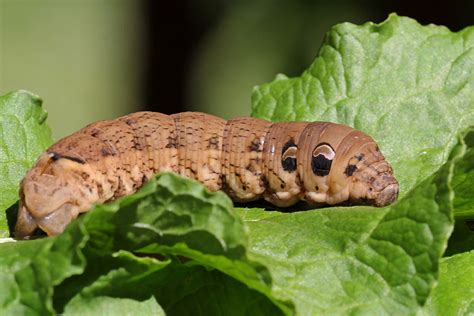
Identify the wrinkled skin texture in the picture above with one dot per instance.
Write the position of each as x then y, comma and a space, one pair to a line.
321, 163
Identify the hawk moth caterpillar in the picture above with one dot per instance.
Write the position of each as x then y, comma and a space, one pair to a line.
248, 158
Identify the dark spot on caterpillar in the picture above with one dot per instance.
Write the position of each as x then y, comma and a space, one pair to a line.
120, 185
282, 185
250, 167
130, 122
255, 145
213, 142
172, 142
55, 156
106, 151
321, 165
88, 188
288, 156
100, 189
85, 176
317, 188
377, 148
322, 157
350, 170
95, 132
137, 144
359, 157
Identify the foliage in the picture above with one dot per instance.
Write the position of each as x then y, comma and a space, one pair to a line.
175, 248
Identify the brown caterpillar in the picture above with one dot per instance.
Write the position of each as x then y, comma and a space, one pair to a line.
248, 158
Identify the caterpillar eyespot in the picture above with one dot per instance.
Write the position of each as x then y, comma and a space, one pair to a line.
248, 158
321, 161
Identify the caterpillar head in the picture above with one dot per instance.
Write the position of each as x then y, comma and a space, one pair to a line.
49, 197
345, 165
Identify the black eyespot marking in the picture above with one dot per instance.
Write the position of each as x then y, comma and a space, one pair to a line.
322, 158
288, 156
321, 165
289, 164
350, 170
55, 156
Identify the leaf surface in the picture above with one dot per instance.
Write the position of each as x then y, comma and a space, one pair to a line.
23, 136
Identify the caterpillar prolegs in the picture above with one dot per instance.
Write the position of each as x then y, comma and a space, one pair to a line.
248, 158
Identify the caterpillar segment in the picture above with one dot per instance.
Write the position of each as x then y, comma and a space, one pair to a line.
319, 162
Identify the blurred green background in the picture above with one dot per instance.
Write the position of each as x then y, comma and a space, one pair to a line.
99, 59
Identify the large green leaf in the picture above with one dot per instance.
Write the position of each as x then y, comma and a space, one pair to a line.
409, 86
23, 136
88, 261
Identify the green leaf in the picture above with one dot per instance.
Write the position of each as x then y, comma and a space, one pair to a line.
162, 218
164, 211
454, 294
409, 86
23, 136
178, 287
193, 289
358, 260
463, 186
106, 305
463, 181
92, 258
110, 293
29, 270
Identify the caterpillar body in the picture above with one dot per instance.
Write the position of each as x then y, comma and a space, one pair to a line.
248, 158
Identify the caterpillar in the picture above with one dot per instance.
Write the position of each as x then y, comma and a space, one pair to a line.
248, 158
